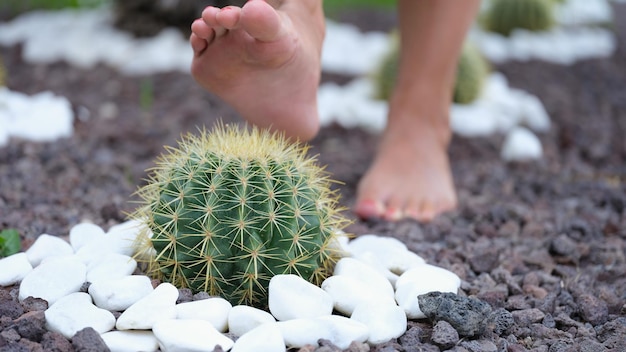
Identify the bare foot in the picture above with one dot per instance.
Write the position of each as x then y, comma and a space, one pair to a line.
410, 176
263, 61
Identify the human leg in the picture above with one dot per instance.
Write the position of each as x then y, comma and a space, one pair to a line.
410, 176
264, 60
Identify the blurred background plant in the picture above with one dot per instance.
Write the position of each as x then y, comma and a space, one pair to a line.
9, 242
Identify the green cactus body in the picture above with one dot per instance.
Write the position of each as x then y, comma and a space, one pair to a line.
504, 16
2, 74
472, 71
230, 209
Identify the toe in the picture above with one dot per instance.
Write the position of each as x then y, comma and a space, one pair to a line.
209, 16
198, 45
229, 17
369, 209
202, 30
261, 21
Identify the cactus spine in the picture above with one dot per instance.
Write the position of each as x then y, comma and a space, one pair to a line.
503, 16
230, 209
472, 71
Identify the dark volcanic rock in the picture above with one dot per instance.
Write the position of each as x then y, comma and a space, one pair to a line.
467, 315
444, 335
88, 340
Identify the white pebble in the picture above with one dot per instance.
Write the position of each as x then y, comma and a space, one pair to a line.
365, 273
119, 294
264, 338
84, 233
345, 330
75, 312
110, 266
298, 333
242, 319
14, 268
47, 246
521, 144
160, 304
292, 297
214, 310
53, 279
189, 335
370, 259
130, 341
348, 292
421, 280
385, 321
119, 239
392, 253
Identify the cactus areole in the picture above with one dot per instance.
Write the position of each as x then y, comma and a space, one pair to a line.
229, 209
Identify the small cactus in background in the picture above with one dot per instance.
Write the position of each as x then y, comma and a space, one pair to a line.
472, 71
504, 16
2, 74
230, 209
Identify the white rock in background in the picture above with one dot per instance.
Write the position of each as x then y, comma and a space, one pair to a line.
583, 12
189, 335
349, 51
347, 292
119, 294
242, 319
352, 105
345, 330
54, 278
385, 321
520, 144
392, 253
75, 312
46, 246
292, 297
130, 341
110, 266
214, 310
14, 268
533, 113
160, 304
41, 117
473, 120
84, 233
298, 333
420, 280
559, 45
264, 338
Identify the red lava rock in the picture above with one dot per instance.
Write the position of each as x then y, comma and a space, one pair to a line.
525, 317
593, 309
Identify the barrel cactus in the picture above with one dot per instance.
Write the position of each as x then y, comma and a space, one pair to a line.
504, 16
2, 74
472, 71
229, 209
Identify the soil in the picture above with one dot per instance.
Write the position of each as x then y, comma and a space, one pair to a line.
544, 240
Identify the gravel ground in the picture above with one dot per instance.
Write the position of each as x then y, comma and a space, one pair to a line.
542, 244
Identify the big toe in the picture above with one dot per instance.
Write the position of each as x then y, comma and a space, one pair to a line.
262, 21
